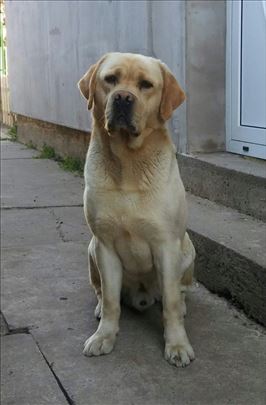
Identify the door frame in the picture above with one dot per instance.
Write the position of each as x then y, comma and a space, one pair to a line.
233, 61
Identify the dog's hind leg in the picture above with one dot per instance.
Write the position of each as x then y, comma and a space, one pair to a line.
185, 283
95, 279
188, 268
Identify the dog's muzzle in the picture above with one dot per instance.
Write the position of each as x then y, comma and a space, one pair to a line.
122, 112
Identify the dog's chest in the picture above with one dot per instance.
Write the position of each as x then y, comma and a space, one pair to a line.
127, 221
134, 214
111, 214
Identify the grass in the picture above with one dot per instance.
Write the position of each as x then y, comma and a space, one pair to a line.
13, 133
31, 145
71, 164
47, 152
68, 163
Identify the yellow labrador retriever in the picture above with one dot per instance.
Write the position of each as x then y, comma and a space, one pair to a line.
134, 199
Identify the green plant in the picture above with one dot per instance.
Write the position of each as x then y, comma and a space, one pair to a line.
13, 133
31, 145
68, 163
47, 152
71, 164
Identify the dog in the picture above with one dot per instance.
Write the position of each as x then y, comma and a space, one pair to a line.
134, 200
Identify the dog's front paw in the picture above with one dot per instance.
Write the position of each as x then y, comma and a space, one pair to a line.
98, 344
179, 355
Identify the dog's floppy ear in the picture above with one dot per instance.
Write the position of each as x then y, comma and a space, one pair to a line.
87, 84
172, 94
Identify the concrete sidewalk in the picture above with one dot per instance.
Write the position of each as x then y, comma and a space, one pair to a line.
48, 307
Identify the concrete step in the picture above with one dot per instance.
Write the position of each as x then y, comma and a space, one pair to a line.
231, 254
235, 181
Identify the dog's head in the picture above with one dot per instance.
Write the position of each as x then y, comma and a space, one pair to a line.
130, 93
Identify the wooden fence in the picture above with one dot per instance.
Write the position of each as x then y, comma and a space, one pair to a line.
6, 116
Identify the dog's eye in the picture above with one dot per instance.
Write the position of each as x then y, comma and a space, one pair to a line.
111, 79
145, 84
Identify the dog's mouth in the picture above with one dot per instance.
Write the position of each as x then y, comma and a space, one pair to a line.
123, 124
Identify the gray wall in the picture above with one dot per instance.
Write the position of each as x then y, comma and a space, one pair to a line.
205, 75
168, 44
52, 43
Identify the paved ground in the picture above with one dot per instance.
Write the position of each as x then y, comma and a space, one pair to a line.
48, 306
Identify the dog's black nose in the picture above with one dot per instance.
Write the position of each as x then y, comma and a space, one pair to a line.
123, 99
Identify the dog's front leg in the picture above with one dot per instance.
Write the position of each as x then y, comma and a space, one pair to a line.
178, 350
110, 268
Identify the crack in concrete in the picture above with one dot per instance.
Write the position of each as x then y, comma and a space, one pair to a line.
41, 207
60, 232
16, 331
4, 325
67, 396
59, 229
10, 330
19, 158
26, 330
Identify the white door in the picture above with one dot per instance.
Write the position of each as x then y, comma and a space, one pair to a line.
246, 78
